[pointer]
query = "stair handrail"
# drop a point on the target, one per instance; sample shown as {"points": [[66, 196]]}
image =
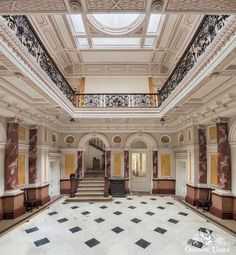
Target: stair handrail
{"points": [[74, 183]]}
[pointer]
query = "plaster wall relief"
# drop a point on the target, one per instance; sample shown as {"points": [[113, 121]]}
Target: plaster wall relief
{"points": [[202, 5]]}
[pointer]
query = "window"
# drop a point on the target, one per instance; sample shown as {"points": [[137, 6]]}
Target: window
{"points": [[154, 23], [119, 42]]}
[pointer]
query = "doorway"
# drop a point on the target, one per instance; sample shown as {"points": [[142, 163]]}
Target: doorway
{"points": [[54, 178], [140, 168], [181, 177]]}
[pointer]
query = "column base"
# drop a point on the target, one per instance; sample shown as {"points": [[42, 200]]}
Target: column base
{"points": [[223, 205], [127, 190], [41, 193], [13, 204]]}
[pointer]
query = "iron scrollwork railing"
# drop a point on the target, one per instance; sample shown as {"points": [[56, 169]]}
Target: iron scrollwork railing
{"points": [[22, 29], [117, 100], [207, 31]]}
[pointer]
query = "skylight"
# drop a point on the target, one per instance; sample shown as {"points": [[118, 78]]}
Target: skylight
{"points": [[116, 23], [78, 23], [154, 23], [119, 42]]}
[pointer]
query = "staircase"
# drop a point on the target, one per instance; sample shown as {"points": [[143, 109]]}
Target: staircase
{"points": [[91, 188]]}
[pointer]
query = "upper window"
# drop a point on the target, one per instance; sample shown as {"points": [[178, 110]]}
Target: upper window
{"points": [[116, 23]]}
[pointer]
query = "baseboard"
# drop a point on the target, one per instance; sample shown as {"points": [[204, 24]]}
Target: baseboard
{"points": [[221, 214], [165, 191], [16, 213], [190, 201], [44, 200]]}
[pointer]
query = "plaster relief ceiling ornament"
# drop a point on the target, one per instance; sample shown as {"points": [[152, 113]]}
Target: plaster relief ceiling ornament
{"points": [[75, 6], [157, 5]]}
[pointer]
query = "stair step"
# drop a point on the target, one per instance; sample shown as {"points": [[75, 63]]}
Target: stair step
{"points": [[91, 182], [89, 199], [89, 193], [87, 189]]}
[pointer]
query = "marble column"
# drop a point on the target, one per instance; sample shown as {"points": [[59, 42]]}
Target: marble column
{"points": [[222, 198], [11, 156], [108, 164], [126, 171], [155, 171], [33, 134], [224, 160], [13, 199], [79, 163], [202, 178]]}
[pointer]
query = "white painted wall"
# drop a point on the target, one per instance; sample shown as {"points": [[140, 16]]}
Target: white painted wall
{"points": [[116, 84]]}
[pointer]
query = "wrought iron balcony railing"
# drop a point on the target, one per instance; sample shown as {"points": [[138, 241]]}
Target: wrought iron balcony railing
{"points": [[208, 30], [144, 100]]}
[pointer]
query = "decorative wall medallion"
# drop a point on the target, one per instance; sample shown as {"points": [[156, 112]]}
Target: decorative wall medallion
{"points": [[165, 139], [54, 138], [117, 139], [69, 139], [181, 137]]}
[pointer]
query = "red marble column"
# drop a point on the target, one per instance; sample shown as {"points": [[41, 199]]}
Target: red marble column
{"points": [[33, 133], [155, 171], [224, 160], [126, 164], [108, 164], [79, 163], [11, 156], [202, 178]]}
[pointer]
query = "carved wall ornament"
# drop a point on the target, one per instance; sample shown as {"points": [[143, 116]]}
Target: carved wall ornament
{"points": [[181, 137], [157, 5], [117, 139], [54, 138], [69, 139], [165, 139], [75, 6]]}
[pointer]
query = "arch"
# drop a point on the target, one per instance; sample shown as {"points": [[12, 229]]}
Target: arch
{"points": [[85, 138], [3, 135], [147, 138], [232, 133]]}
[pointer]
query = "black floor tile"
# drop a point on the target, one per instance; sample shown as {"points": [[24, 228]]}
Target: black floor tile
{"points": [[30, 230], [62, 220], [135, 220], [103, 207], [131, 207], [75, 229], [160, 230], [173, 221], [117, 202], [85, 213], [144, 203], [142, 243], [117, 213], [150, 213], [117, 230], [129, 198], [92, 242], [74, 207], [183, 213], [195, 243], [52, 213], [153, 199], [161, 207], [205, 230], [64, 203], [99, 220], [169, 203], [41, 242]]}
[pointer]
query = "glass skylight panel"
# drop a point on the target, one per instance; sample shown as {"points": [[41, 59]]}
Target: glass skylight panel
{"points": [[83, 42], [154, 22], [116, 20], [119, 42], [78, 23], [149, 42]]}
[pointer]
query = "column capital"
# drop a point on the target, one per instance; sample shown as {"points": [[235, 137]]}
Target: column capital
{"points": [[201, 127], [33, 127], [222, 120], [14, 120]]}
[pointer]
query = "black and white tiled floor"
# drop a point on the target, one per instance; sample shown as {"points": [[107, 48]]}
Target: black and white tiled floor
{"points": [[125, 226]]}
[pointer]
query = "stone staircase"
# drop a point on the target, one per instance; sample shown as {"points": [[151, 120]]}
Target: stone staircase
{"points": [[91, 188]]}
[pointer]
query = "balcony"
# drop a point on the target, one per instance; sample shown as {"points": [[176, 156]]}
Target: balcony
{"points": [[106, 100]]}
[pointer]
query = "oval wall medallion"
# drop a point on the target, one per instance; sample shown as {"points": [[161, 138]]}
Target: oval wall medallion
{"points": [[69, 139], [165, 139], [117, 139]]}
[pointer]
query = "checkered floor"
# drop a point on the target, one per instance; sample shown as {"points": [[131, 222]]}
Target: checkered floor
{"points": [[125, 226]]}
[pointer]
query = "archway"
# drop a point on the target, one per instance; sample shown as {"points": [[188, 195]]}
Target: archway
{"points": [[93, 147]]}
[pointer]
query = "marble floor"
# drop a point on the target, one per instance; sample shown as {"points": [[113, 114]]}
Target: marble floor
{"points": [[125, 226]]}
